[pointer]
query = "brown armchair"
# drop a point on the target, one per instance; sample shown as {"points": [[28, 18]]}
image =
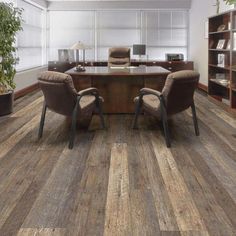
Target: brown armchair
{"points": [[61, 97], [176, 96], [119, 57]]}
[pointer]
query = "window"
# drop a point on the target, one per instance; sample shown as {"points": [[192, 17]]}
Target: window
{"points": [[116, 28], [163, 31], [31, 41], [69, 27]]}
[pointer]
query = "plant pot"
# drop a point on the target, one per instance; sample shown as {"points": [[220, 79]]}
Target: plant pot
{"points": [[6, 103]]}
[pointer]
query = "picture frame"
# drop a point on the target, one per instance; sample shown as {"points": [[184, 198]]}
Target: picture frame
{"points": [[221, 60], [66, 55], [221, 44], [211, 44]]}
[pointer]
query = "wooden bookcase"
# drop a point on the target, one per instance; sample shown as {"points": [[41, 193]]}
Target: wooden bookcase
{"points": [[222, 59]]}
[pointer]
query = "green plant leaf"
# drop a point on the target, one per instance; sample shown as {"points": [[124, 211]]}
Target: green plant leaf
{"points": [[10, 24]]}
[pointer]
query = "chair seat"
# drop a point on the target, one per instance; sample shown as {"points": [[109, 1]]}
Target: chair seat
{"points": [[151, 104]]}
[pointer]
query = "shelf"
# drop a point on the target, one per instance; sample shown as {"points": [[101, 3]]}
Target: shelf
{"points": [[220, 67], [219, 32], [219, 83], [219, 50], [233, 88]]}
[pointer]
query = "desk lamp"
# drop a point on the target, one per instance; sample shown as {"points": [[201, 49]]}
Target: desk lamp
{"points": [[80, 46]]}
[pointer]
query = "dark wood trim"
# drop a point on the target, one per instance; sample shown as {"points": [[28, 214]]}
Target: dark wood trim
{"points": [[203, 87], [26, 90]]}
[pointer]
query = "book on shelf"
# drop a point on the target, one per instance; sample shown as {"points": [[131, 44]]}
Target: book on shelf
{"points": [[220, 78], [233, 67], [228, 45]]}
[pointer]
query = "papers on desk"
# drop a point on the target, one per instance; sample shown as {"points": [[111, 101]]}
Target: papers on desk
{"points": [[122, 67], [117, 67]]}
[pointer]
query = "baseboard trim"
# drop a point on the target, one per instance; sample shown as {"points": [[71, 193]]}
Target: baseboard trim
{"points": [[26, 90], [203, 87]]}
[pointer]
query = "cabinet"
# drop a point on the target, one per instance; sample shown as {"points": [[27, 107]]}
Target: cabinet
{"points": [[222, 59]]}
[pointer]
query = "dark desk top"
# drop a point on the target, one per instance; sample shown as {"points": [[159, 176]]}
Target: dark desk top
{"points": [[108, 71]]}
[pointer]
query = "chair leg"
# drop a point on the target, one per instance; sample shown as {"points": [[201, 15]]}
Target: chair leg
{"points": [[99, 106], [41, 125], [195, 119], [137, 112], [73, 128], [165, 125]]}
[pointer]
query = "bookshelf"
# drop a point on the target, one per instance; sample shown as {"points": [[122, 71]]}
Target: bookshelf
{"points": [[222, 59]]}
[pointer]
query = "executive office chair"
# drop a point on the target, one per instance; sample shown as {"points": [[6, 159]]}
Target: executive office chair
{"points": [[119, 57], [61, 97], [176, 96]]}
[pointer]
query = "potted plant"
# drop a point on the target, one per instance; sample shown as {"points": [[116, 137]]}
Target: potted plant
{"points": [[10, 24], [230, 2]]}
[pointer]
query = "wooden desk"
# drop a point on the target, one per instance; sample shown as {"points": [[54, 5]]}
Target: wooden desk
{"points": [[118, 87]]}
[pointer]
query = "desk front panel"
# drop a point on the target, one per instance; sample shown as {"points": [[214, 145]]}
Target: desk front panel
{"points": [[119, 89]]}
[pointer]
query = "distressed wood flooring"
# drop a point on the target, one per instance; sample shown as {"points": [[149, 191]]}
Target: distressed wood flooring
{"points": [[117, 181]]}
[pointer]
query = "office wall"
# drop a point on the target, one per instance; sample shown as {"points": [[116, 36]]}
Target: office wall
{"points": [[26, 78], [198, 44]]}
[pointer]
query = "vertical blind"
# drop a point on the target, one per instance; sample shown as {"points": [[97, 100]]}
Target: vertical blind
{"points": [[116, 28], [69, 27], [163, 31], [31, 41]]}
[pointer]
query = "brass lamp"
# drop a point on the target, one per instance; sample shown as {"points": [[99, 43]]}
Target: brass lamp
{"points": [[80, 46]]}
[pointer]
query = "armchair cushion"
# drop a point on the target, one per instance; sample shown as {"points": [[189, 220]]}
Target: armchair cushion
{"points": [[151, 104]]}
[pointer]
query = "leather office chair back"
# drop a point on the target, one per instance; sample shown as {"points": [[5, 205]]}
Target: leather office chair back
{"points": [[119, 57], [176, 96], [179, 89], [59, 92]]}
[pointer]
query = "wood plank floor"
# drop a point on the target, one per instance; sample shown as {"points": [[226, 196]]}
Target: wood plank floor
{"points": [[117, 181]]}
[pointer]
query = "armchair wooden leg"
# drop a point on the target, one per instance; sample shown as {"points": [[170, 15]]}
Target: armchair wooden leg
{"points": [[195, 119], [137, 112], [73, 128], [99, 106], [165, 125], [41, 125]]}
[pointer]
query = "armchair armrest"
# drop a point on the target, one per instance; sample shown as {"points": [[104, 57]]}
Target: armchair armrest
{"points": [[146, 91], [88, 91]]}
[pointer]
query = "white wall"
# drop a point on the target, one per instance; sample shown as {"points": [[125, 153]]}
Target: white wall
{"points": [[26, 78], [198, 45]]}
